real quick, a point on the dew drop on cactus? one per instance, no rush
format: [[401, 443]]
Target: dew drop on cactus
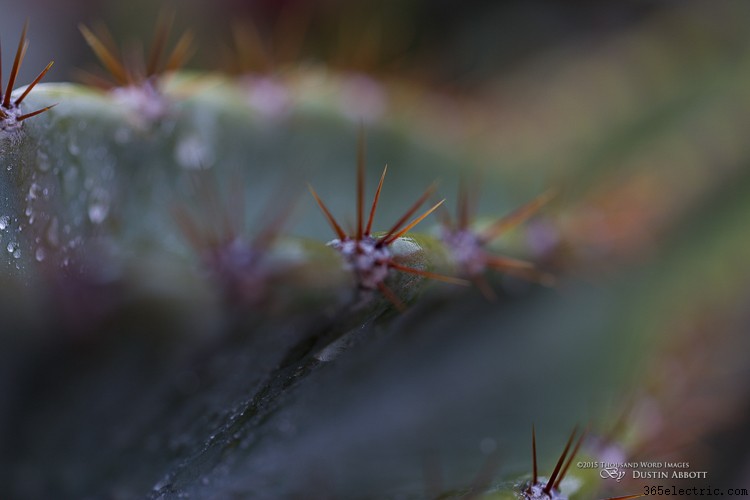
[[98, 207], [193, 153]]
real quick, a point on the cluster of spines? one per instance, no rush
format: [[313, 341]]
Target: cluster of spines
[[537, 490], [133, 70], [468, 246], [550, 489], [534, 489], [237, 262], [366, 255], [9, 108]]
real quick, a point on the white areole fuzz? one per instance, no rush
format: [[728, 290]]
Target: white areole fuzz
[[368, 260], [467, 250]]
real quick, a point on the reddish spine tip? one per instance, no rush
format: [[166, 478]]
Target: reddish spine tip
[[133, 70], [20, 52], [30, 86], [413, 223], [558, 466], [517, 217], [384, 240], [34, 113], [360, 184], [368, 229], [463, 206], [427, 274], [1, 73], [392, 297], [570, 459], [163, 27], [535, 475], [331, 220]]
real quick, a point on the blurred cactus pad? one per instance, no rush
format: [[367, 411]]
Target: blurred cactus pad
[[180, 318]]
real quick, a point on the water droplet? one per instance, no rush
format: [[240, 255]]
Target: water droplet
[[74, 242], [40, 254], [98, 206], [73, 147], [193, 153], [42, 160], [4, 220], [53, 232], [34, 190], [29, 212], [11, 247]]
